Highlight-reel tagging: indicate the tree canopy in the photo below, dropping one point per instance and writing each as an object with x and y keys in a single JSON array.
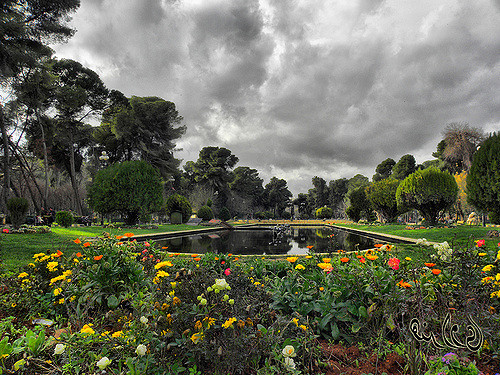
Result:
[
  {"x": 483, "y": 180},
  {"x": 430, "y": 191},
  {"x": 131, "y": 188}
]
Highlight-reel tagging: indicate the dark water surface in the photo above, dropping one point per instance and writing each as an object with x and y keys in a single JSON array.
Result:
[{"x": 264, "y": 241}]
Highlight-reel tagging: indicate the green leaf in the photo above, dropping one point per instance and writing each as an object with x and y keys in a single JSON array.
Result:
[
  {"x": 355, "y": 327},
  {"x": 262, "y": 329},
  {"x": 335, "y": 331},
  {"x": 390, "y": 323},
  {"x": 362, "y": 312},
  {"x": 113, "y": 302},
  {"x": 19, "y": 364}
]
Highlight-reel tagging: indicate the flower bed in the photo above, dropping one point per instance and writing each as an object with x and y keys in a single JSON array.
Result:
[{"x": 128, "y": 307}]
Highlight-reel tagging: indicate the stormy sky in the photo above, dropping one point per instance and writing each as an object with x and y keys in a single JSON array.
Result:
[{"x": 302, "y": 88}]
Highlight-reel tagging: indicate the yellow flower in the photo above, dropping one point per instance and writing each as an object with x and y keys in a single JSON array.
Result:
[
  {"x": 482, "y": 254},
  {"x": 176, "y": 301},
  {"x": 295, "y": 321},
  {"x": 161, "y": 273},
  {"x": 303, "y": 327},
  {"x": 61, "y": 301},
  {"x": 292, "y": 259},
  {"x": 198, "y": 325},
  {"x": 52, "y": 266},
  {"x": 39, "y": 255},
  {"x": 117, "y": 334},
  {"x": 22, "y": 275},
  {"x": 197, "y": 337},
  {"x": 325, "y": 266},
  {"x": 488, "y": 268},
  {"x": 308, "y": 256},
  {"x": 299, "y": 267},
  {"x": 57, "y": 291},
  {"x": 371, "y": 257},
  {"x": 326, "y": 260},
  {"x": 408, "y": 258},
  {"x": 209, "y": 321},
  {"x": 321, "y": 288},
  {"x": 163, "y": 264},
  {"x": 86, "y": 329},
  {"x": 229, "y": 323}
]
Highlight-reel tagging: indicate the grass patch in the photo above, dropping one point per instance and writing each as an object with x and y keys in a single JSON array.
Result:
[
  {"x": 460, "y": 236},
  {"x": 17, "y": 250}
]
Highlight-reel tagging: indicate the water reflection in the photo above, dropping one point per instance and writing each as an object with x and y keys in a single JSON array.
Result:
[{"x": 291, "y": 241}]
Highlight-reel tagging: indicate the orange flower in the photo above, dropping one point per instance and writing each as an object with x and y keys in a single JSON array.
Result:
[
  {"x": 119, "y": 237},
  {"x": 229, "y": 255},
  {"x": 78, "y": 255},
  {"x": 236, "y": 258},
  {"x": 362, "y": 260},
  {"x": 378, "y": 245},
  {"x": 194, "y": 255},
  {"x": 340, "y": 251},
  {"x": 128, "y": 235},
  {"x": 59, "y": 253},
  {"x": 430, "y": 264},
  {"x": 98, "y": 257},
  {"x": 119, "y": 243},
  {"x": 310, "y": 247},
  {"x": 404, "y": 284},
  {"x": 327, "y": 260},
  {"x": 86, "y": 244},
  {"x": 435, "y": 271},
  {"x": 321, "y": 288},
  {"x": 344, "y": 260},
  {"x": 197, "y": 259},
  {"x": 292, "y": 259},
  {"x": 164, "y": 247},
  {"x": 77, "y": 241},
  {"x": 372, "y": 257}
]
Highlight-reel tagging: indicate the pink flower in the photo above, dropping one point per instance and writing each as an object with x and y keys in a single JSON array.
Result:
[
  {"x": 479, "y": 243},
  {"x": 144, "y": 251},
  {"x": 146, "y": 244},
  {"x": 394, "y": 263},
  {"x": 227, "y": 271},
  {"x": 7, "y": 231}
]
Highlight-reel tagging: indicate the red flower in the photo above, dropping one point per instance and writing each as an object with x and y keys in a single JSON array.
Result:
[
  {"x": 227, "y": 271},
  {"x": 362, "y": 260},
  {"x": 7, "y": 231},
  {"x": 479, "y": 243},
  {"x": 394, "y": 263},
  {"x": 223, "y": 262}
]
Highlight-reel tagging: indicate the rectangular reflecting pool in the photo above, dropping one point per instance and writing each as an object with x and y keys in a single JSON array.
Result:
[{"x": 273, "y": 240}]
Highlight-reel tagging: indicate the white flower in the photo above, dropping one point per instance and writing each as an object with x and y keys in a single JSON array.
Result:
[
  {"x": 144, "y": 320},
  {"x": 59, "y": 349},
  {"x": 289, "y": 351},
  {"x": 221, "y": 284},
  {"x": 141, "y": 350},
  {"x": 103, "y": 363},
  {"x": 289, "y": 364}
]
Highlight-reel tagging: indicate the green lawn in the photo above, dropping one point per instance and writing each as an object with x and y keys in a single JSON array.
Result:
[
  {"x": 463, "y": 235},
  {"x": 17, "y": 249}
]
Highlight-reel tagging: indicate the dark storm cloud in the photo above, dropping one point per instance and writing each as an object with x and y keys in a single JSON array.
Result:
[{"x": 302, "y": 88}]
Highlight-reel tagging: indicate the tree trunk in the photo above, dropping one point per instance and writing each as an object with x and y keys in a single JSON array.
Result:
[
  {"x": 73, "y": 176},
  {"x": 24, "y": 166},
  {"x": 6, "y": 158},
  {"x": 45, "y": 195}
]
